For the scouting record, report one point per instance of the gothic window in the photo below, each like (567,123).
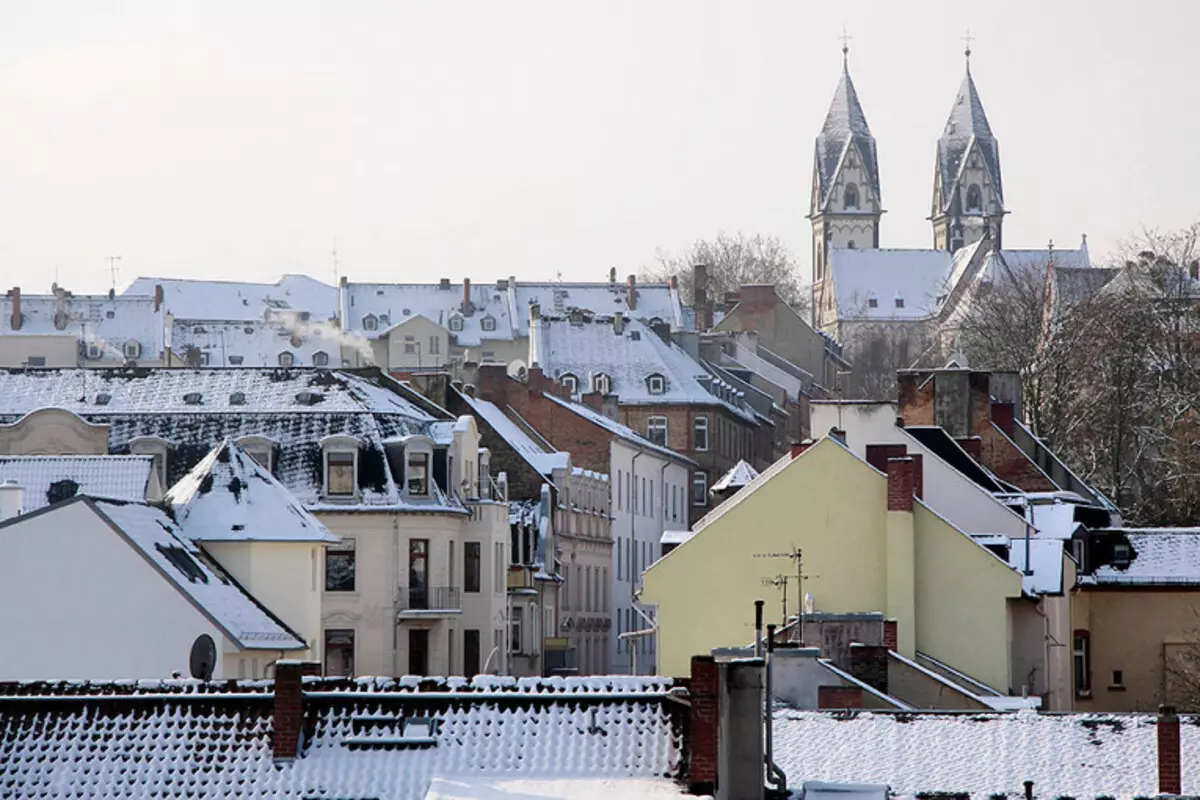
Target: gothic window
(851,196)
(974,198)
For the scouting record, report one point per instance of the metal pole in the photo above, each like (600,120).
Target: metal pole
(758,626)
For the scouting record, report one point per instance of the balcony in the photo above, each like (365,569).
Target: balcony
(427,602)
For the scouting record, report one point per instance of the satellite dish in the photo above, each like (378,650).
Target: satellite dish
(204,657)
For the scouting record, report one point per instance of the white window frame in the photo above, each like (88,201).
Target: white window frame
(700,479)
(700,425)
(654,422)
(570,382)
(488,323)
(286,358)
(132,348)
(370,322)
(456,323)
(340,445)
(656,384)
(415,445)
(94,351)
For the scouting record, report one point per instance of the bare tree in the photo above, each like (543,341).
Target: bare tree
(734,260)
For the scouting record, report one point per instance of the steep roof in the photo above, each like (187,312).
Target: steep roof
(110,323)
(161,541)
(917,278)
(623,432)
(967,126)
(229,497)
(50,479)
(616,737)
(192,299)
(845,127)
(738,476)
(981,754)
(542,461)
(393,303)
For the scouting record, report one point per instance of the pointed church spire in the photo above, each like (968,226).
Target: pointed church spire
(967,129)
(845,127)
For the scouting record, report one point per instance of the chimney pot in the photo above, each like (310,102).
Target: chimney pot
(631,292)
(15,295)
(12,500)
(700,302)
(612,275)
(467,306)
(900,484)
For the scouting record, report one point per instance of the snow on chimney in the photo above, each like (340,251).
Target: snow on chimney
(289,706)
(15,295)
(631,292)
(1170,777)
(158,297)
(900,484)
(12,500)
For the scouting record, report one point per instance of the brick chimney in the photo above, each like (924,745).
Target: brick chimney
(878,455)
(901,552)
(289,706)
(703,691)
(798,448)
(593,400)
(468,307)
(158,297)
(869,663)
(731,300)
(631,292)
(890,637)
(972,446)
(1002,416)
(14,294)
(1170,776)
(700,301)
(900,484)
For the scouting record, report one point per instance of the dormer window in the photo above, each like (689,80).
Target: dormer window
(286,359)
(601,383)
(132,348)
(233,360)
(850,199)
(370,322)
(385,320)
(417,480)
(103,398)
(656,384)
(341,466)
(260,449)
(320,359)
(193,398)
(974,198)
(488,323)
(899,302)
(850,245)
(456,323)
(94,351)
(237,399)
(152,446)
(1121,554)
(569,382)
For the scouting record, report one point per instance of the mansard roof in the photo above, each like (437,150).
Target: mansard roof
(967,126)
(845,127)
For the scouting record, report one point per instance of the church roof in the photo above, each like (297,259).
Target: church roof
(845,126)
(967,125)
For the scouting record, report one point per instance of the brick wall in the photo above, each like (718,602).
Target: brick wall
(702,728)
(891,637)
(288,713)
(1005,459)
(900,484)
(838,697)
(1170,779)
(915,401)
(869,663)
(878,454)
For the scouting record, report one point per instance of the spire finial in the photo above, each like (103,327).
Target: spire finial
(967,52)
(845,37)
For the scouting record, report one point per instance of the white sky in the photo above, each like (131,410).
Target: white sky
(233,139)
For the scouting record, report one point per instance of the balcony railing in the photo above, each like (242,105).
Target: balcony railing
(428,598)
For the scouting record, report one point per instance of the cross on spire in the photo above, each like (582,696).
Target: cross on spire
(967,52)
(845,37)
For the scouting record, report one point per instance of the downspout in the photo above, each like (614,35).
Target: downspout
(775,775)
(633,545)
(396,602)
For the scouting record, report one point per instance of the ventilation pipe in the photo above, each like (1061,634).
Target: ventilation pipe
(758,611)
(12,500)
(775,776)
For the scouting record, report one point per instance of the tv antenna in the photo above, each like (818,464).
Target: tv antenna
(780,582)
(796,555)
(112,269)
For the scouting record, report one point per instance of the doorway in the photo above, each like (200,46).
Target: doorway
(418,651)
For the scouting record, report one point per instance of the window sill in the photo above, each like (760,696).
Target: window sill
(1116,688)
(349,594)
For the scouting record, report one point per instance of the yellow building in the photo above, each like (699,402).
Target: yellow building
(868,545)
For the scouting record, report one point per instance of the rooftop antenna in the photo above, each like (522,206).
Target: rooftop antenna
(845,37)
(112,269)
(967,51)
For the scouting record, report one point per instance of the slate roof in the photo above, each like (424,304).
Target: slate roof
(967,126)
(982,754)
(845,127)
(542,461)
(198,299)
(113,477)
(229,497)
(654,301)
(259,343)
(108,322)
(1158,557)
(176,739)
(393,303)
(152,531)
(918,277)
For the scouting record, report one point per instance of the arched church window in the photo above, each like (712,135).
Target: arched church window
(851,197)
(974,198)
(850,245)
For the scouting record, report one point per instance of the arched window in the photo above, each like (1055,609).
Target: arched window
(974,198)
(850,245)
(320,359)
(370,322)
(569,382)
(851,196)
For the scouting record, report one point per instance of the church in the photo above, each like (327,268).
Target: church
(887,306)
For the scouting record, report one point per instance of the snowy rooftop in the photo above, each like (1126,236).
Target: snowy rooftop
(259,343)
(185,298)
(622,431)
(51,479)
(161,541)
(229,497)
(372,308)
(654,301)
(119,327)
(982,754)
(1156,557)
(967,126)
(845,127)
(543,461)
(737,477)
(902,284)
(175,739)
(631,360)
(1046,560)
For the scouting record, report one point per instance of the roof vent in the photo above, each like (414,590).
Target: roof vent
(103,398)
(309,398)
(192,398)
(237,399)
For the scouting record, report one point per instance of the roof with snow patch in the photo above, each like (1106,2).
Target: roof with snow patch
(282,337)
(199,299)
(543,461)
(653,301)
(623,432)
(903,284)
(967,126)
(1168,556)
(737,477)
(117,328)
(373,308)
(845,128)
(52,479)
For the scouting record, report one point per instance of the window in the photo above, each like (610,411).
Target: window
(899,302)
(499,586)
(36,361)
(456,323)
(1118,679)
(261,455)
(339,567)
(974,198)
(1082,651)
(132,348)
(418,474)
(699,489)
(472,563)
(488,323)
(471,652)
(1120,554)
(286,359)
(339,474)
(700,433)
(183,562)
(339,653)
(643,496)
(370,323)
(93,351)
(569,382)
(320,359)
(872,303)
(620,487)
(234,360)
(435,347)
(851,197)
(418,573)
(515,642)
(656,384)
(1078,550)
(656,430)
(850,245)
(602,384)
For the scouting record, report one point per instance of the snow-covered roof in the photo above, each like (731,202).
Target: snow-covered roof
(259,343)
(390,304)
(51,479)
(654,301)
(630,359)
(981,754)
(1054,520)
(1157,557)
(1046,560)
(617,429)
(903,284)
(967,126)
(845,127)
(538,457)
(229,497)
(112,324)
(170,739)
(738,476)
(161,542)
(198,299)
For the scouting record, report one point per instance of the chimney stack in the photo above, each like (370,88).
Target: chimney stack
(618,323)
(703,691)
(612,276)
(1170,777)
(700,297)
(673,282)
(289,706)
(158,297)
(631,292)
(900,484)
(535,335)
(798,448)
(12,500)
(14,294)
(467,307)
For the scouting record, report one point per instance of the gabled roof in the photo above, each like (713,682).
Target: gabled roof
(617,429)
(845,127)
(393,303)
(199,299)
(229,497)
(915,277)
(259,343)
(109,323)
(540,459)
(654,301)
(112,477)
(207,586)
(967,126)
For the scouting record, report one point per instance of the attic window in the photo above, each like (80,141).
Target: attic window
(656,384)
(132,348)
(872,303)
(309,398)
(1121,554)
(93,351)
(635,336)
(183,562)
(899,302)
(488,323)
(199,329)
(237,399)
(286,359)
(193,398)
(109,314)
(569,382)
(456,323)
(248,330)
(320,359)
(602,383)
(236,360)
(341,466)
(370,322)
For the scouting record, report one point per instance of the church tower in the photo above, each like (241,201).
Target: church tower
(968,196)
(845,206)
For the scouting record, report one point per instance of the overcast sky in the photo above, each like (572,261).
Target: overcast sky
(236,139)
